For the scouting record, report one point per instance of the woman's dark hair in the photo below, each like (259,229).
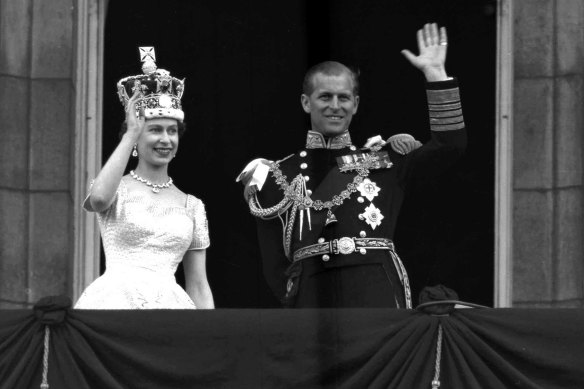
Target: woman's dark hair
(182,127)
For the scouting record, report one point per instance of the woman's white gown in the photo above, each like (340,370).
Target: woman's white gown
(144,242)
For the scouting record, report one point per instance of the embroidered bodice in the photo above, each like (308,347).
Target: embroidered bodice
(138,231)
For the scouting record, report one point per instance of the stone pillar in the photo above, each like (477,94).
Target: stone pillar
(548,124)
(36,107)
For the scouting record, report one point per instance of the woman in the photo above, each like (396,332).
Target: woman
(147,224)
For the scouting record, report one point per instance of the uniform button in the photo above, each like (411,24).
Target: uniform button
(326,257)
(320,240)
(309,192)
(303,166)
(353,148)
(303,153)
(361,217)
(306,178)
(363,251)
(362,234)
(360,199)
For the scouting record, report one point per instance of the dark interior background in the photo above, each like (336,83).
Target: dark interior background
(244,62)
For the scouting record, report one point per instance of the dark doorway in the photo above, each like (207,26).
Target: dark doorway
(244,62)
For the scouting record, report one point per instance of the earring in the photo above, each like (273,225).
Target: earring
(135,151)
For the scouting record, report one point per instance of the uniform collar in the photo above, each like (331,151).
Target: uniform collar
(315,140)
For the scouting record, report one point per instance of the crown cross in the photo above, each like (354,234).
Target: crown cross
(147,53)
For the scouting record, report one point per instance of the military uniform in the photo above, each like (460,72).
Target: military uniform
(327,214)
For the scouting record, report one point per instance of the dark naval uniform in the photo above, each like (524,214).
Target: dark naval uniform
(327,214)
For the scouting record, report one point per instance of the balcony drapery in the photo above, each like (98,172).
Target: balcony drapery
(326,348)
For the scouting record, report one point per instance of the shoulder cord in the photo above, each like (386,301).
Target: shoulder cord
(293,196)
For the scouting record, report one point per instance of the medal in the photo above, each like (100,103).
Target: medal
(368,189)
(372,216)
(372,160)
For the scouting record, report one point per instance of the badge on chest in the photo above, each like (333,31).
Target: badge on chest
(371,160)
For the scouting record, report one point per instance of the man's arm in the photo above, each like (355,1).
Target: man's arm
(448,140)
(400,143)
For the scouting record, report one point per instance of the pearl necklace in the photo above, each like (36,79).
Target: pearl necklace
(155,187)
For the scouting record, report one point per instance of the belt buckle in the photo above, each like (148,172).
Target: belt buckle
(346,245)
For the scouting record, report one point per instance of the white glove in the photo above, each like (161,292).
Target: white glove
(254,176)
(403,143)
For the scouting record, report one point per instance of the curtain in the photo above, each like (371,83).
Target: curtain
(326,348)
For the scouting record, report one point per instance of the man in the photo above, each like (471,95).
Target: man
(327,214)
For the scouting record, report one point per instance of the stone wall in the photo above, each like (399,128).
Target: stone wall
(548,124)
(36,110)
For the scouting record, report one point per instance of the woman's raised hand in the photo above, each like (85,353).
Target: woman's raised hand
(135,123)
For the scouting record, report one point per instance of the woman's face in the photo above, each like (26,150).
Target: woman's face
(158,143)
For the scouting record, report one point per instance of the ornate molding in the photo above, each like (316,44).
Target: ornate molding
(90,24)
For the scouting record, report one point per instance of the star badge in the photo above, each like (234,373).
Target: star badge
(372,216)
(368,189)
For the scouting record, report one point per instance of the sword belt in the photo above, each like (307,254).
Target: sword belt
(345,245)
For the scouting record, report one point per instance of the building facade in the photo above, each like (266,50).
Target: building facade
(51,67)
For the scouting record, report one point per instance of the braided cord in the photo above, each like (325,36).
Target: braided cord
(45,383)
(265,213)
(436,380)
(292,195)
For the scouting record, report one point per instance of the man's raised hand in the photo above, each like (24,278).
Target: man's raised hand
(432,44)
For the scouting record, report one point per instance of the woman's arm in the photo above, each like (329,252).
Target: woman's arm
(197,286)
(107,181)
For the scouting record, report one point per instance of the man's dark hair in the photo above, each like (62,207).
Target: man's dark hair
(329,68)
(181,126)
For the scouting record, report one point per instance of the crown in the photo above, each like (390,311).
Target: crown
(160,93)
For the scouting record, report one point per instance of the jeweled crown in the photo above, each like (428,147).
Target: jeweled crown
(160,93)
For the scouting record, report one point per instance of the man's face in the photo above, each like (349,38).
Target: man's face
(331,104)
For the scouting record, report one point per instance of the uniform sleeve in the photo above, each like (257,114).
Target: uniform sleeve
(448,134)
(274,261)
(271,194)
(200,225)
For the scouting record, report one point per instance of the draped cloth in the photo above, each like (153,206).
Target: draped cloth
(301,348)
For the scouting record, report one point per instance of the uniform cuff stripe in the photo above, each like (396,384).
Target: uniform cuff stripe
(443,96)
(445,114)
(444,107)
(447,127)
(457,119)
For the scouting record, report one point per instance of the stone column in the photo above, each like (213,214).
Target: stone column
(548,124)
(36,107)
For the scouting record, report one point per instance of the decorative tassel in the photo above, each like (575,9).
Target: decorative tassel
(301,209)
(330,218)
